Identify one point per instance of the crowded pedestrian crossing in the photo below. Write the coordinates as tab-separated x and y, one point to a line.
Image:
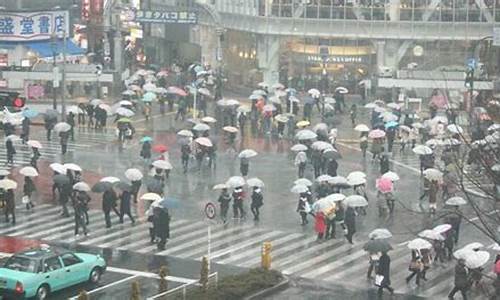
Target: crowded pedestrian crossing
238	243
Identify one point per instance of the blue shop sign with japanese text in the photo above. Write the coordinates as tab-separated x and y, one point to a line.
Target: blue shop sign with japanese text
31	26
176	17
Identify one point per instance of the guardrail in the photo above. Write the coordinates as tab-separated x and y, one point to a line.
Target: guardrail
183	289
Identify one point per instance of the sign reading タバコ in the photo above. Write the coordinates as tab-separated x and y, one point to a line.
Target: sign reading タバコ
30	26
177	17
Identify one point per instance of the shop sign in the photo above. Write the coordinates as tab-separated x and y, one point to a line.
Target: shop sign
177	17
336	59
4	83
4	60
29	26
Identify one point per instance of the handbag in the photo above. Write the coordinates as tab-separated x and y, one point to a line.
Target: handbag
25	199
378	280
416	265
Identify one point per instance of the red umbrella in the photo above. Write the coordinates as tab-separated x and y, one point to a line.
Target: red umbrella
177	91
160	148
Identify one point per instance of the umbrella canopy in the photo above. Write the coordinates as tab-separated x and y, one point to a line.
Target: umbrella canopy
177	91
204	91
13	138
380	233
185	133
230	129
320	127
303	123
306	134
278	86
494	247
61	179
220	186
151	197
431	235
208	120
162	164
338	180
314	92
125	103
30	113
299	189
324	205
324	178
74	110
377	245
122	111
72	167
235	181
133	174
433	174
8	184
342	90
391	124
356	181
110	179
275	99
370	105
243	109
149	97
201	127
336	197
124	186
321	145
422	150
476	259
281	118
394	105
455	129
81	186
361	128
4	172
418	244
391	175
255	182
62	127
34	144
57	167
251	97
442	228
247	153
475	246
355	201
259	92
149	87
384	185
303	181
95	102
167	203
146	139
204	141
456	201
299	147
356	174
160	148
105	107
376	134
124	120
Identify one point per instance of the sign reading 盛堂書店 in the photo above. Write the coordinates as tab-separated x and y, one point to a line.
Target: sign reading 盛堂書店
30	26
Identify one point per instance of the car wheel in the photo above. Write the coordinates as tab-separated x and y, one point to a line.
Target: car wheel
95	275
42	293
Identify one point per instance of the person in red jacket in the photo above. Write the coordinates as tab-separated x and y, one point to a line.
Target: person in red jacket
320	225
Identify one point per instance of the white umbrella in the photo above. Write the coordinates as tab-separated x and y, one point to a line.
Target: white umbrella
13	138
34	144
418	244
299	147
371	105
235	181
255	182
125	103
321	145
356	174
475	246
320	127
263	84
314	92
342	90
476	259
128	93
185	133
8	184
204	91
81	186
455	129
57	167
299	189
160	90
247	153
442	228
494	247
306	134
4	172
456	201
149	87
335	197
110	179
162	164
393	105
208	120
338	180
431	235
62	127
391	175
355	201
105	107
74	109
230	129
323	204
433	174
201	127
28	171
279	93
379	234
204	141
95	102
303	181
72	167
275	99
324	178
278	86
133	174
151	197
356	181
259	92
461	253
422	150
361	128
122	111
220	186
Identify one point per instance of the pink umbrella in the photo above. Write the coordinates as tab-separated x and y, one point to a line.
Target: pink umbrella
376	134
384	185
177	91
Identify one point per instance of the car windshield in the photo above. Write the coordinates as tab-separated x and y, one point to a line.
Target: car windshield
22	264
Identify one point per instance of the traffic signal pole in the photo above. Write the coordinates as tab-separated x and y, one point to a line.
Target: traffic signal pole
63	84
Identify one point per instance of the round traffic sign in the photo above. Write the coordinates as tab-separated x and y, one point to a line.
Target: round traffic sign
210	210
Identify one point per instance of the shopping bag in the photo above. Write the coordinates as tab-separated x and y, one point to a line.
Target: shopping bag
378	280
25	199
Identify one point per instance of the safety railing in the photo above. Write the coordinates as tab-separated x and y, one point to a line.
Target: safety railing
182	290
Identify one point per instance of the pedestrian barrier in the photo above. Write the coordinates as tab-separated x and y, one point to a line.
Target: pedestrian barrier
183	289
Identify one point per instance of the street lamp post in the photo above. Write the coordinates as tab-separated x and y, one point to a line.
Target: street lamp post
53	45
63	78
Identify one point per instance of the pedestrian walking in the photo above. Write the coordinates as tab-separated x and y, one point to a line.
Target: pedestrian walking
373	263
363	144
64	197
109	199
11	151
80	207
350	223
151	227
332	167
384	164
455	220
10	206
125	198
185	153
383	272
71	121
49	124
461	280
81	114
300	162
64	136
224	200
257	202
28	189
161	220
136	186
244	166
238	196
146	152
353	113
416	267
303	208
83	199
25	129
35	155
320	225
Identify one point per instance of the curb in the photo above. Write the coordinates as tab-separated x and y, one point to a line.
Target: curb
269	291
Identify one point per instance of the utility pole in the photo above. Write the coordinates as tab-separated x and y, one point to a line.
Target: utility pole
55	71
63	87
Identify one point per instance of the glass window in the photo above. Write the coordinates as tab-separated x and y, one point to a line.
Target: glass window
22	264
52	264
70	259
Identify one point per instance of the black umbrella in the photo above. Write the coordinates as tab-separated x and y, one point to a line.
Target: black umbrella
50	114
124	186
374	246
61	179
155	186
101	187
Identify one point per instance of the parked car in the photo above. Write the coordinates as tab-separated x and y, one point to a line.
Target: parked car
41	271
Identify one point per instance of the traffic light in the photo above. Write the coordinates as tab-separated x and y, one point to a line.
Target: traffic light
11	99
18	102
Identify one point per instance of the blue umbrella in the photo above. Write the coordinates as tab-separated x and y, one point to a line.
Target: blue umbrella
146	139
391	124
30	113
149	97
169	203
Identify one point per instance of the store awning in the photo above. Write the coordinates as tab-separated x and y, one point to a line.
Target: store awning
46	49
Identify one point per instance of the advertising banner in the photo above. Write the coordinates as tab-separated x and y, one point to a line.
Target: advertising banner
31	26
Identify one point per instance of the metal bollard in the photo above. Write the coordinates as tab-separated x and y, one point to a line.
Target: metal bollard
266	255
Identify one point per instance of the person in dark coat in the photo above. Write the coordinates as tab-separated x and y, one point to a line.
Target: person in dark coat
257	202
136	186
455	220
125	206
461	280
161	221
146	151
416	267
25	125
350	223
28	189
109	203
384	269
71	121
64	136
49	125
80	206
10	206
185	152
64	197
238	195
244	166
83	199
10	151
384	164
332	167
34	157
303	208
224	200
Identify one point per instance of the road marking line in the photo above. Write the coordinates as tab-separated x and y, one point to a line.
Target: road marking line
108	285
149	275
